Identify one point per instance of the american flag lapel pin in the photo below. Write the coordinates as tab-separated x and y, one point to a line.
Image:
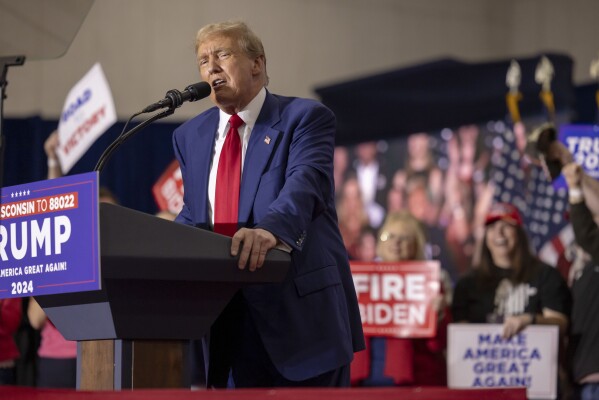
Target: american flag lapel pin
267	140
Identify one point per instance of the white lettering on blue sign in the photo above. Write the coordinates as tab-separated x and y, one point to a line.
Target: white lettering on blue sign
585	151
35	237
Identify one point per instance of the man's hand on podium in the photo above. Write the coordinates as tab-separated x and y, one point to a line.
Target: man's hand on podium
256	243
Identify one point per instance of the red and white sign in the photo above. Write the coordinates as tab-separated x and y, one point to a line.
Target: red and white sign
168	189
396	299
87	113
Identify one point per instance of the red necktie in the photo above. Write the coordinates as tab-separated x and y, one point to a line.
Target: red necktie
228	177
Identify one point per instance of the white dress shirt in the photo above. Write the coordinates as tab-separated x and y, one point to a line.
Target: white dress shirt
249	115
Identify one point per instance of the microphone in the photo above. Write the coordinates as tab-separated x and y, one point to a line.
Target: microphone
174	98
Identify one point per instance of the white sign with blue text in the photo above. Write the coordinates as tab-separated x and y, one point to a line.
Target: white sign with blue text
479	357
88	112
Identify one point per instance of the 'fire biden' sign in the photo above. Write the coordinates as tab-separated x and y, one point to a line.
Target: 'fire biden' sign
395	298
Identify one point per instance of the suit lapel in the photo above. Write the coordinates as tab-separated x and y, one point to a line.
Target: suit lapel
260	147
203	146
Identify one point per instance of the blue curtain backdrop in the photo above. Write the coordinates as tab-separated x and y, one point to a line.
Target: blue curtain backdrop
130	173
586	104
439	94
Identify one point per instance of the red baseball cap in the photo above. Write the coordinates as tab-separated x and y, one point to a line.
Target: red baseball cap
504	211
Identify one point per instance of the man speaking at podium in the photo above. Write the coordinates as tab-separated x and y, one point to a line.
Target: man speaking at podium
259	167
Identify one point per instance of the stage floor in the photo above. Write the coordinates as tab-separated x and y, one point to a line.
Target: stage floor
27	393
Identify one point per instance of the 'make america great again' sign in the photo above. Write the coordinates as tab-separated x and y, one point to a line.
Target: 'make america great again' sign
49	237
395	299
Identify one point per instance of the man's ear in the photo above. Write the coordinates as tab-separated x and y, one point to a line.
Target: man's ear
259	65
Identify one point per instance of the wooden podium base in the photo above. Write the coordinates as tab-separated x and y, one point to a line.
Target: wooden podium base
132	364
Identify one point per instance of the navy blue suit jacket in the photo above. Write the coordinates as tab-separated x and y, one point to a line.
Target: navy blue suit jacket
310	323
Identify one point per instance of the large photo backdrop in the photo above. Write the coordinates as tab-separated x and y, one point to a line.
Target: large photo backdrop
436	139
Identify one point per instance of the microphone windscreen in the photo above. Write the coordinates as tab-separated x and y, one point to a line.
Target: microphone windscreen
199	90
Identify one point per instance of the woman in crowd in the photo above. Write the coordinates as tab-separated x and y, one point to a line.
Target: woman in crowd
510	285
405	362
57	357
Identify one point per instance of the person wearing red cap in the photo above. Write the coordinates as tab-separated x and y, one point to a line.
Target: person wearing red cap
510	285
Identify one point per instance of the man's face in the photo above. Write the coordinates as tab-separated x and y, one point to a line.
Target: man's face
418	145
366	152
419	204
234	77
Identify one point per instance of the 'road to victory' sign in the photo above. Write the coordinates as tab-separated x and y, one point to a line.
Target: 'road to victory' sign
49	237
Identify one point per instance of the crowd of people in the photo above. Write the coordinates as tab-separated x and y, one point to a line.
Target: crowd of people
416	206
442	181
483	246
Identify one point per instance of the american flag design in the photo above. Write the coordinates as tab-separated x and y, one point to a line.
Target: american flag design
544	208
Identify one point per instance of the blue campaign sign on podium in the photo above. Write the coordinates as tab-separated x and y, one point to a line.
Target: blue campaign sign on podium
49	237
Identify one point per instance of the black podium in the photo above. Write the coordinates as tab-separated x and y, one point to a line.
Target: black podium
163	283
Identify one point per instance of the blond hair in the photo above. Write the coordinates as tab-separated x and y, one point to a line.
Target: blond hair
408	221
247	40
